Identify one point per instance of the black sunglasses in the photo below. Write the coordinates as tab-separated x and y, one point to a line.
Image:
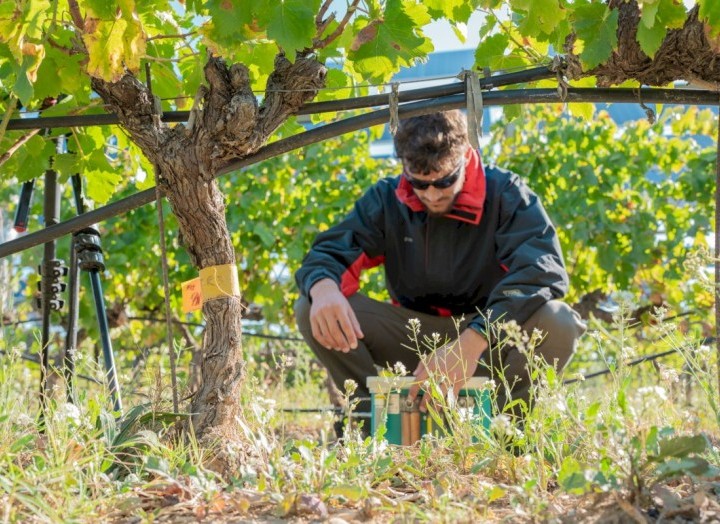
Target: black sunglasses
441	183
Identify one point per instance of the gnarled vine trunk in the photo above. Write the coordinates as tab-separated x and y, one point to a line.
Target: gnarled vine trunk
687	53
228	125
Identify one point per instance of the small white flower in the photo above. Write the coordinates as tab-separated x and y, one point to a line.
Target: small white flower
67	412
400	369
350	386
501	424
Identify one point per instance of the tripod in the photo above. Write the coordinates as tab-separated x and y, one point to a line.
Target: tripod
85	254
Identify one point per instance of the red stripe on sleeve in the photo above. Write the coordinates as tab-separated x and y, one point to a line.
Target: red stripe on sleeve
350	282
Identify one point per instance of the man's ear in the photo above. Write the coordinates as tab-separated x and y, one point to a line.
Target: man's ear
468	152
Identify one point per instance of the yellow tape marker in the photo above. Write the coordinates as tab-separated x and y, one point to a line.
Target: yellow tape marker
191	295
219	281
213	282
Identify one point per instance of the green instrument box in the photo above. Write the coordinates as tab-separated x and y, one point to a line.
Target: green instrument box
403	421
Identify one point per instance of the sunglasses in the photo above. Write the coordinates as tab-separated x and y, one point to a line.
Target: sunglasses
441	183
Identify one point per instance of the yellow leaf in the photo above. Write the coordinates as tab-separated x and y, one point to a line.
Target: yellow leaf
105	46
584	111
36	52
135	45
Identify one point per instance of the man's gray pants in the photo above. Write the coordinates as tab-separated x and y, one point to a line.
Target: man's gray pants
388	340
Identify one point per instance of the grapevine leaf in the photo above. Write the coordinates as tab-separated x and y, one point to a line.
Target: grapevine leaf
230	19
23	88
491	50
66	165
656	19
105	46
542	16
596	25
398	41
452	10
101	9
101	184
710	12
292	25
584	111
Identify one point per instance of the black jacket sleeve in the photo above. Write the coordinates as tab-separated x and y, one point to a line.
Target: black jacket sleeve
343	247
528	248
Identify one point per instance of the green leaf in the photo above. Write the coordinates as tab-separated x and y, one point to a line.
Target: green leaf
101	9
230	21
491	50
684	466
651	39
584	111
66	165
680	447
657	17
710	12
383	46
452	10
596	25
292	25
571	477
101	185
23	88
351	492
542	16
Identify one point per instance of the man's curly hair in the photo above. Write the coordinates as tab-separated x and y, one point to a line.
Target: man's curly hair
432	142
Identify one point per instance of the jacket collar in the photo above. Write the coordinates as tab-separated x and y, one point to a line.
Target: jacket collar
469	204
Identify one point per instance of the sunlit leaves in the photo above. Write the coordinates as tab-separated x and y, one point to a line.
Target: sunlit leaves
541	17
658	16
453	11
596	25
100	185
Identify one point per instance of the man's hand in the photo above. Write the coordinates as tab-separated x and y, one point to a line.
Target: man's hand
333	321
456	360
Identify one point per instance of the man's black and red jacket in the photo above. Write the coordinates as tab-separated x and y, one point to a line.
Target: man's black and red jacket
496	252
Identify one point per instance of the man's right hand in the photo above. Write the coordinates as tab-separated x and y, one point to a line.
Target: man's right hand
333	321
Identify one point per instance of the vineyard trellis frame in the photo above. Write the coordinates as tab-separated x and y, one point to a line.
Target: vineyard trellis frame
411	103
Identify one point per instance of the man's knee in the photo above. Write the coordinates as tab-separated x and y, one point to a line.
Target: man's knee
561	327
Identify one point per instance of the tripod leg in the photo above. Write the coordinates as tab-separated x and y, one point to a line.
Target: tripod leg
51	212
71	336
108	358
90	259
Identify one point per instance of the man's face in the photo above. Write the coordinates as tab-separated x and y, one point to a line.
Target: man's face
438	190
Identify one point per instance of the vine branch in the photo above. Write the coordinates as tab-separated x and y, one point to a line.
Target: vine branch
319	43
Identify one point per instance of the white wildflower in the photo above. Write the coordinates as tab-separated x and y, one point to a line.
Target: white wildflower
669	375
350	386
67	412
400	369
